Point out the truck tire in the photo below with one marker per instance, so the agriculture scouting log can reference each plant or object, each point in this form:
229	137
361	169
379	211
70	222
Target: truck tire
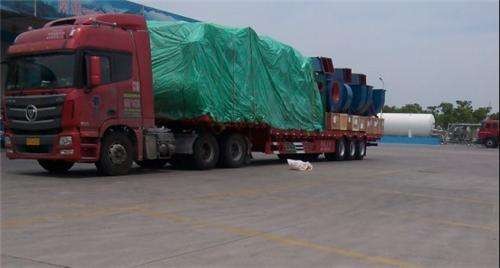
152	163
490	143
55	166
233	151
205	152
360	150
116	155
351	150
340	152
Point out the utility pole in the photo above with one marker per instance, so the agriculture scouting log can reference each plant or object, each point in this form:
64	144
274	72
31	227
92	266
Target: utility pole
381	80
34	8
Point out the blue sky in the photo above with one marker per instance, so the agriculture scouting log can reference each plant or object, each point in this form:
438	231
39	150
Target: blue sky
427	52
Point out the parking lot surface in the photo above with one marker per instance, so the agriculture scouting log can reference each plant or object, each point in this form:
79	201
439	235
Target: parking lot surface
406	206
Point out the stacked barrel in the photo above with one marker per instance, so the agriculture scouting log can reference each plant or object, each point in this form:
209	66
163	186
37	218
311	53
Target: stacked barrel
350	103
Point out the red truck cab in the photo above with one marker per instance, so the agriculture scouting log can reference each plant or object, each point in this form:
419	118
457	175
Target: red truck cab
488	133
79	84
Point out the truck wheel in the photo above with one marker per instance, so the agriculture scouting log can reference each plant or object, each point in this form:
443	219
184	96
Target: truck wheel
351	150
55	166
490	143
340	152
233	151
205	152
360	149
152	163
116	155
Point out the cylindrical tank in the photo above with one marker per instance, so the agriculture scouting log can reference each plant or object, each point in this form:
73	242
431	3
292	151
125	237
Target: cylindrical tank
400	124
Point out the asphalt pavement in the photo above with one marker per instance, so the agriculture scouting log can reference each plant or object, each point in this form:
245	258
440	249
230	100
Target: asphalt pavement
407	206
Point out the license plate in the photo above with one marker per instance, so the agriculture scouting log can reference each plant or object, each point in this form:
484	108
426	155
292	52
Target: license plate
33	141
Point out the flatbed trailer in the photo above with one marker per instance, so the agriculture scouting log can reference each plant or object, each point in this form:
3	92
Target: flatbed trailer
90	100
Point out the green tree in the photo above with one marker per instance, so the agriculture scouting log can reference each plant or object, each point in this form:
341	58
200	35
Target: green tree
390	109
414	108
464	112
481	113
446	115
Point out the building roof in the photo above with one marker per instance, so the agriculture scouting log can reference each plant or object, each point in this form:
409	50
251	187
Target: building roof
54	9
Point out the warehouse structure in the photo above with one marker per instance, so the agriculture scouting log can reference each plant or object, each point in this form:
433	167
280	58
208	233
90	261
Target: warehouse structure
17	16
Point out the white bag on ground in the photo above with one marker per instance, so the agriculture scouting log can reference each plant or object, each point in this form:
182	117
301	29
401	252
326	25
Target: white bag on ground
299	165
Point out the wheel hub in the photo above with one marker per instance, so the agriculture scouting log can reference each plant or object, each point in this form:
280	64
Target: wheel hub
117	153
236	151
341	149
207	152
352	148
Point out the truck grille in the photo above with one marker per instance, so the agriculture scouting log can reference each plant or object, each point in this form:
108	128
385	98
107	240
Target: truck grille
36	114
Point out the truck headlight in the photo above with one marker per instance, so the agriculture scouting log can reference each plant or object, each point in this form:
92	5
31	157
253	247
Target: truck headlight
7	140
65	141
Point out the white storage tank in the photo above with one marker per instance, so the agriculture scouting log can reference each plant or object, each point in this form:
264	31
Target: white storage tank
399	124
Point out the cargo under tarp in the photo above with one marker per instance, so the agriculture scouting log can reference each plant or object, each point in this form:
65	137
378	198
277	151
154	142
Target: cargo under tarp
232	75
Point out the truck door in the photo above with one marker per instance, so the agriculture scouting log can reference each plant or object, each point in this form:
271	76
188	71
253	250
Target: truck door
102	98
114	98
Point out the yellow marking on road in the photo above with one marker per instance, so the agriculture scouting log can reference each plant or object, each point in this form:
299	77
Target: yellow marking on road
280	239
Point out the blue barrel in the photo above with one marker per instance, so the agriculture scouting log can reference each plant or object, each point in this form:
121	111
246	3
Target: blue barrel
338	97
378	97
368	100
359	98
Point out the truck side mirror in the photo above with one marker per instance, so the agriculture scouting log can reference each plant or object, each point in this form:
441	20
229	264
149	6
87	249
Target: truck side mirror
94	71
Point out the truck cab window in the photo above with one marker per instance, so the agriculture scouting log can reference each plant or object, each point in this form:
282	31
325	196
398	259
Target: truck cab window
40	71
121	67
105	70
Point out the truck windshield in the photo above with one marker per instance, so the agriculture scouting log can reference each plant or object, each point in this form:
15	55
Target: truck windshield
41	71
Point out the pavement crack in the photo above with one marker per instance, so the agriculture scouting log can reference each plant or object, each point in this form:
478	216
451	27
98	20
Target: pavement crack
192	251
35	261
208	247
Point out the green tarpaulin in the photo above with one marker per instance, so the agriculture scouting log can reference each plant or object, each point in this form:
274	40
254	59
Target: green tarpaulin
232	75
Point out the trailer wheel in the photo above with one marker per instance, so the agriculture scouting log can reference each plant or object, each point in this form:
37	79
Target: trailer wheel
152	163
360	149
55	166
351	149
340	152
233	151
205	152
490	143
116	155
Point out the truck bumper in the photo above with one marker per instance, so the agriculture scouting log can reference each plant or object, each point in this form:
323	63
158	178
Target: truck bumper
44	147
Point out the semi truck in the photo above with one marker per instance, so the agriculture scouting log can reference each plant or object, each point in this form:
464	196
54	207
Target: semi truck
80	89
488	133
